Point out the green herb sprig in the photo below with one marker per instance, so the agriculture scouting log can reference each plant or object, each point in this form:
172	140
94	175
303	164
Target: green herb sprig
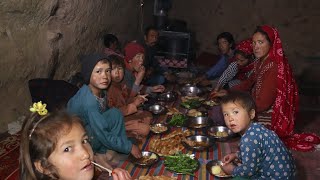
191	103
181	163
177	120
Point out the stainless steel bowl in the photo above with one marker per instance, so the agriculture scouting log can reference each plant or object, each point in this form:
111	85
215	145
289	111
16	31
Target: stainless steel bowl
159	128
190	90
169	96
145	161
198	122
157	109
212	163
220	133
196	113
198	142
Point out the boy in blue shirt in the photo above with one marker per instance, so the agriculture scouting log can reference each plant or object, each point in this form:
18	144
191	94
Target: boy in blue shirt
262	154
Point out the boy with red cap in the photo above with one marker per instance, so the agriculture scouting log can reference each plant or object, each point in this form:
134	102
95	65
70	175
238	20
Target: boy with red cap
135	71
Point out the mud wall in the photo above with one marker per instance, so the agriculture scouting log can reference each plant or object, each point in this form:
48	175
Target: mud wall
296	20
45	38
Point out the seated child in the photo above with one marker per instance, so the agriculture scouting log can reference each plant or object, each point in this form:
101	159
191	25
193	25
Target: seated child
56	146
262	154
111	43
105	126
225	43
136	122
240	69
135	71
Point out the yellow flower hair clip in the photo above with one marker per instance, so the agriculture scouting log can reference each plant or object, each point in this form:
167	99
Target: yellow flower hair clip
40	108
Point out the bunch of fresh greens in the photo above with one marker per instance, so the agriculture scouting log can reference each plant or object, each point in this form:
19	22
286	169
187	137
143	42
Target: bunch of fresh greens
181	163
177	120
191	103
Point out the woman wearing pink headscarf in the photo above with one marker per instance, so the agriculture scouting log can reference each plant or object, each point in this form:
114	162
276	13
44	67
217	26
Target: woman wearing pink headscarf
274	89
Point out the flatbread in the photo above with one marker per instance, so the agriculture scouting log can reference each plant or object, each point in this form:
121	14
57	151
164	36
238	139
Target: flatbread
169	144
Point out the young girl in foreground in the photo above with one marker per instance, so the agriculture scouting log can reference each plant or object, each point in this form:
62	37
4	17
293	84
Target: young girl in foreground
262	153
55	146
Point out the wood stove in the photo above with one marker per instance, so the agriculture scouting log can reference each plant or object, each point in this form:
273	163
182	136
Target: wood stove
174	49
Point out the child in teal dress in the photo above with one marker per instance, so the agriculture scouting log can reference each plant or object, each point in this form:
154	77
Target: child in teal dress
104	125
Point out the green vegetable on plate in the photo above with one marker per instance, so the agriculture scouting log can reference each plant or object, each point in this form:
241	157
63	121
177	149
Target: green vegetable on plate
177	120
181	163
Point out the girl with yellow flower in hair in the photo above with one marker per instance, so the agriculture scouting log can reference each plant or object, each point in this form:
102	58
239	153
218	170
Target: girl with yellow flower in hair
56	146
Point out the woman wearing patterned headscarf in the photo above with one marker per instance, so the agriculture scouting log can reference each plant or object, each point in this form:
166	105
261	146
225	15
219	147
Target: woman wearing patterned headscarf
240	69
274	89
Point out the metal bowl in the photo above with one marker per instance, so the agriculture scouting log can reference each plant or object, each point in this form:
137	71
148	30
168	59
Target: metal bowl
198	122
157	109
191	90
220	133
196	113
145	160
159	128
212	163
199	142
169	96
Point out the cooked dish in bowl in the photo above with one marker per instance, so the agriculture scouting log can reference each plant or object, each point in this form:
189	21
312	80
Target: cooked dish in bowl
191	90
158	128
220	133
148	158
199	122
197	142
194	113
214	168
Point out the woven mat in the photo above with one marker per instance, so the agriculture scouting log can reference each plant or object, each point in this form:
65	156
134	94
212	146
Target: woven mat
217	151
9	157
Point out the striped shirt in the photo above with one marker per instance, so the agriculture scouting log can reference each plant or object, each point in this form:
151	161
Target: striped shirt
228	76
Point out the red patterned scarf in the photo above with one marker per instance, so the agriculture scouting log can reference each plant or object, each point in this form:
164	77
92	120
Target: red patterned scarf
242	71
286	105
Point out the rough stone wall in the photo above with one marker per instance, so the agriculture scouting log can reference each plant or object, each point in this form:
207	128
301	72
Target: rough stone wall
45	38
296	20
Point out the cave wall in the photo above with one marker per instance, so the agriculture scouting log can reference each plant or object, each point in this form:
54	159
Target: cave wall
296	20
45	38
